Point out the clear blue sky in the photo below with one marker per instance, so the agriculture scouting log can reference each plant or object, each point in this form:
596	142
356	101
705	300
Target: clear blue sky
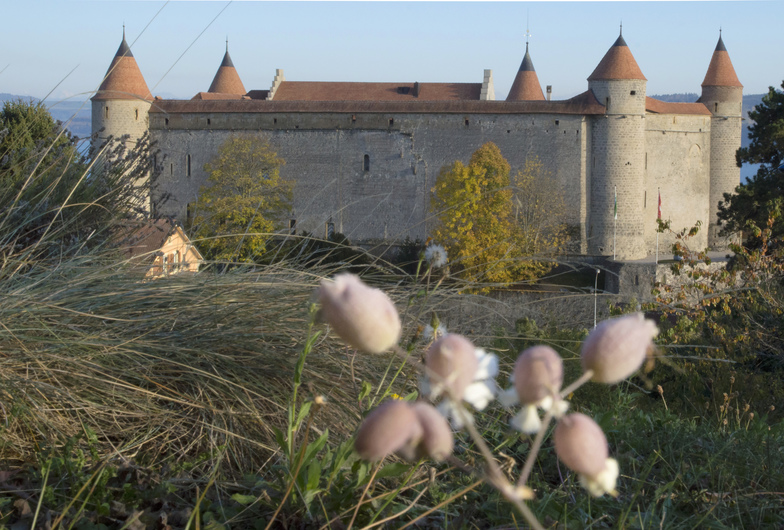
43	40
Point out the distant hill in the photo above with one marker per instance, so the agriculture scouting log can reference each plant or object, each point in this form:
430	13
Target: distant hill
74	114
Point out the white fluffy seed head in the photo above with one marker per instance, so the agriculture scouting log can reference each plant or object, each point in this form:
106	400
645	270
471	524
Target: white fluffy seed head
581	444
452	364
390	428
363	317
538	373
616	348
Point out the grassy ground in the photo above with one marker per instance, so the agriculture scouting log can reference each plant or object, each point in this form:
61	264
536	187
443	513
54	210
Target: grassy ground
163	404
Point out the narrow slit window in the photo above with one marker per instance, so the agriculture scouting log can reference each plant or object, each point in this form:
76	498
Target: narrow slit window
106	112
209	121
292	226
137	114
391	121
366	163
188	165
466	122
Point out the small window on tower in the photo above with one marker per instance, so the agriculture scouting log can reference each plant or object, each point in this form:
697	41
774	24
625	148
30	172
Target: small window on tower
633	92
188	165
137	114
106	112
391	122
209	121
167	121
715	107
466	122
293	226
366	163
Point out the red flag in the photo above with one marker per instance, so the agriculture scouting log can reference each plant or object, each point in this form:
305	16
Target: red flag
659	212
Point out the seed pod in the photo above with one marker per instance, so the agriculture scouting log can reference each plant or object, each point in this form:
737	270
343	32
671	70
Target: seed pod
616	348
390	428
452	363
581	444
363	317
437	439
538	374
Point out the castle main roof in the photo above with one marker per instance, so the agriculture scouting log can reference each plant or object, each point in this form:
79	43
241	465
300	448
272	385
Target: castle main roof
345	91
227	80
123	80
720	70
617	63
526	85
582	104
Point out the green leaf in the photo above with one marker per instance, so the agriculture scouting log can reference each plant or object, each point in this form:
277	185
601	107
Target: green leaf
244	500
303	412
365	391
393	470
281	439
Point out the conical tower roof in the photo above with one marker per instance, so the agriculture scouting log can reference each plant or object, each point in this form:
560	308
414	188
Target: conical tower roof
617	63
526	85
123	80
227	80
721	71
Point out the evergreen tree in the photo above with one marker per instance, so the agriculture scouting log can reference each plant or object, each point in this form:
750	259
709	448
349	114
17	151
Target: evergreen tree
761	198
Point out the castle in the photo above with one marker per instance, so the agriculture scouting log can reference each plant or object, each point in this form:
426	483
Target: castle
364	156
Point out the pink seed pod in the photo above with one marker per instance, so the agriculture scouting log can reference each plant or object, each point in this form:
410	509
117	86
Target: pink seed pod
616	348
581	444
365	318
452	363
437	441
392	427
538	374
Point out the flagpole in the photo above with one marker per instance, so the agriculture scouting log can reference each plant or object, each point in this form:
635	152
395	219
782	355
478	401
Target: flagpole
615	221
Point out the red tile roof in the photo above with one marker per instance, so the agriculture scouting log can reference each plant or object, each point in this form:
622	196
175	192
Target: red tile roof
583	104
123	80
617	63
219	96
720	71
329	91
526	85
663	107
227	80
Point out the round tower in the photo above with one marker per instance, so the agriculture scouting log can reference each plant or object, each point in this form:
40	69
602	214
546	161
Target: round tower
722	93
121	105
227	80
618	156
526	85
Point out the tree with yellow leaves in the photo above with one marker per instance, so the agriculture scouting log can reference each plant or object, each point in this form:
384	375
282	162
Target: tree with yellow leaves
486	224
243	202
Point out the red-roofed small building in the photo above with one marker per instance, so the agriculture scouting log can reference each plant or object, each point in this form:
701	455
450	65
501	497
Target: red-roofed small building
160	247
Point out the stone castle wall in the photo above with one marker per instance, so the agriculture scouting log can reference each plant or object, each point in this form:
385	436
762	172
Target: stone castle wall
325	157
677	163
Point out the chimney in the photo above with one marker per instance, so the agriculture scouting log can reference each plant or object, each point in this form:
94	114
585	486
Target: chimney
549	91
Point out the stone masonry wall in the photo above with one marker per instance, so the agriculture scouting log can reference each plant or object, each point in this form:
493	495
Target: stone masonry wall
325	157
683	177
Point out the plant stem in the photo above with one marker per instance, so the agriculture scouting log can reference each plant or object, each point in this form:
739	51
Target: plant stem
356	511
529	462
577	384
